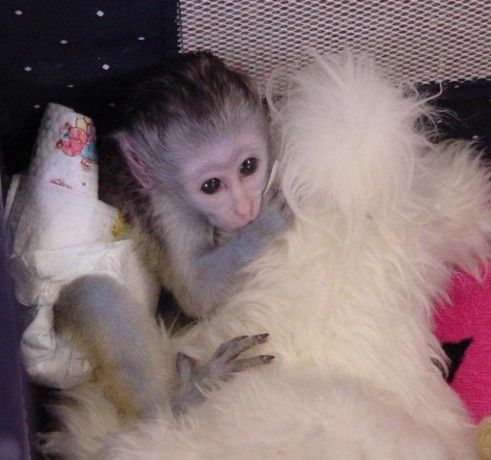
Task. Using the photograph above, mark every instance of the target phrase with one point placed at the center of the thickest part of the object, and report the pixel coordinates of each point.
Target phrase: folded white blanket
(59, 230)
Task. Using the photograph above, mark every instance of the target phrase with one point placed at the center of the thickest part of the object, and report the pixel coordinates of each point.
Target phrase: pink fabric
(469, 316)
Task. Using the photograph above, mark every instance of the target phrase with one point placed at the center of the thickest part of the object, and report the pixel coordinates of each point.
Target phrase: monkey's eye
(248, 167)
(211, 186)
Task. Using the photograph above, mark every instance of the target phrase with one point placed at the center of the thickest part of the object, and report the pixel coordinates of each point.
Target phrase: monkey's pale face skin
(225, 180)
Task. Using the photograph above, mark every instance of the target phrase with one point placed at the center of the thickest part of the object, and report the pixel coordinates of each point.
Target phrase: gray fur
(120, 339)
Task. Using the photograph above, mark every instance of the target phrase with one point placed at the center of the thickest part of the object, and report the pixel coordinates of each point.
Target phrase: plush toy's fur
(381, 216)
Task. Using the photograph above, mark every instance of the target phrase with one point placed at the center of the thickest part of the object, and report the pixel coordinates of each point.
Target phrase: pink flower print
(73, 141)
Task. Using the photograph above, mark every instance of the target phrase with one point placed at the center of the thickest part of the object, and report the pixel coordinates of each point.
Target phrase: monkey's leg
(195, 380)
(121, 340)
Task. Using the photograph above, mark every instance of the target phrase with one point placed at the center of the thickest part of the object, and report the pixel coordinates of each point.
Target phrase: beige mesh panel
(419, 41)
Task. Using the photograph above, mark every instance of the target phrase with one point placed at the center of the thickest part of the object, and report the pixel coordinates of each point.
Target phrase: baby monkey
(187, 168)
(191, 161)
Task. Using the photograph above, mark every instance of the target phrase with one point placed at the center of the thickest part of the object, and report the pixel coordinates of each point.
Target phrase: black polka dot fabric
(82, 54)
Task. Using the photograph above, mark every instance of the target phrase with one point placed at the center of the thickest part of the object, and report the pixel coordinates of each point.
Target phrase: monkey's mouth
(236, 224)
(234, 227)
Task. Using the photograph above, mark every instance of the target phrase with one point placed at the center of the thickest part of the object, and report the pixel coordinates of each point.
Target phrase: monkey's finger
(226, 346)
(185, 367)
(241, 364)
(236, 346)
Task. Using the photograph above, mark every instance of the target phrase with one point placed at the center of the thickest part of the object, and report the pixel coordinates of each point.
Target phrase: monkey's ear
(134, 160)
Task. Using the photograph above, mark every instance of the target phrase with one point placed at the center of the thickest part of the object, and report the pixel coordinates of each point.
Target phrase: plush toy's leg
(462, 194)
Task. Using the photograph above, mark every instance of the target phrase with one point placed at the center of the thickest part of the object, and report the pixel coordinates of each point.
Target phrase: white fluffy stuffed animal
(381, 218)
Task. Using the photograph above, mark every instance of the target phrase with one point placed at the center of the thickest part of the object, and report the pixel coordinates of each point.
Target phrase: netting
(416, 41)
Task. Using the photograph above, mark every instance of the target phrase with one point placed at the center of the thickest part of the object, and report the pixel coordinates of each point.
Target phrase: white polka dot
(63, 42)
(106, 66)
(112, 104)
(141, 38)
(37, 106)
(70, 85)
(100, 13)
(456, 86)
(475, 136)
(27, 68)
(18, 12)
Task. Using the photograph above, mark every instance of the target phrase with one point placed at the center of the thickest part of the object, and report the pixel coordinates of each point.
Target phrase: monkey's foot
(195, 380)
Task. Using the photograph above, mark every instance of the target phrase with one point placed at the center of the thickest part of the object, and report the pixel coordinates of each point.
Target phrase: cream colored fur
(381, 218)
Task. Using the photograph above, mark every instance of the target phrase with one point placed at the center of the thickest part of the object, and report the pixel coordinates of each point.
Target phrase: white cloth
(57, 235)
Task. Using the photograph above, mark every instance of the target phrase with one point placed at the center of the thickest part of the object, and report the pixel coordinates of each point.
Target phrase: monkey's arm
(209, 271)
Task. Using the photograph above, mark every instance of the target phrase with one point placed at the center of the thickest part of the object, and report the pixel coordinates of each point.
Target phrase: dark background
(133, 38)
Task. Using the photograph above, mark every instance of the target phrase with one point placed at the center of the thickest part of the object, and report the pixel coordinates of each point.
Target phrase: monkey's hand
(196, 380)
(274, 217)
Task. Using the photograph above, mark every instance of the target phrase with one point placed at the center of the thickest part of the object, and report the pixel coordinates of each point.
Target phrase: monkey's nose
(245, 210)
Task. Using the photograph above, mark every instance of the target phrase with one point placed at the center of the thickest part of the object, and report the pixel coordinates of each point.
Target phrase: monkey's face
(225, 180)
